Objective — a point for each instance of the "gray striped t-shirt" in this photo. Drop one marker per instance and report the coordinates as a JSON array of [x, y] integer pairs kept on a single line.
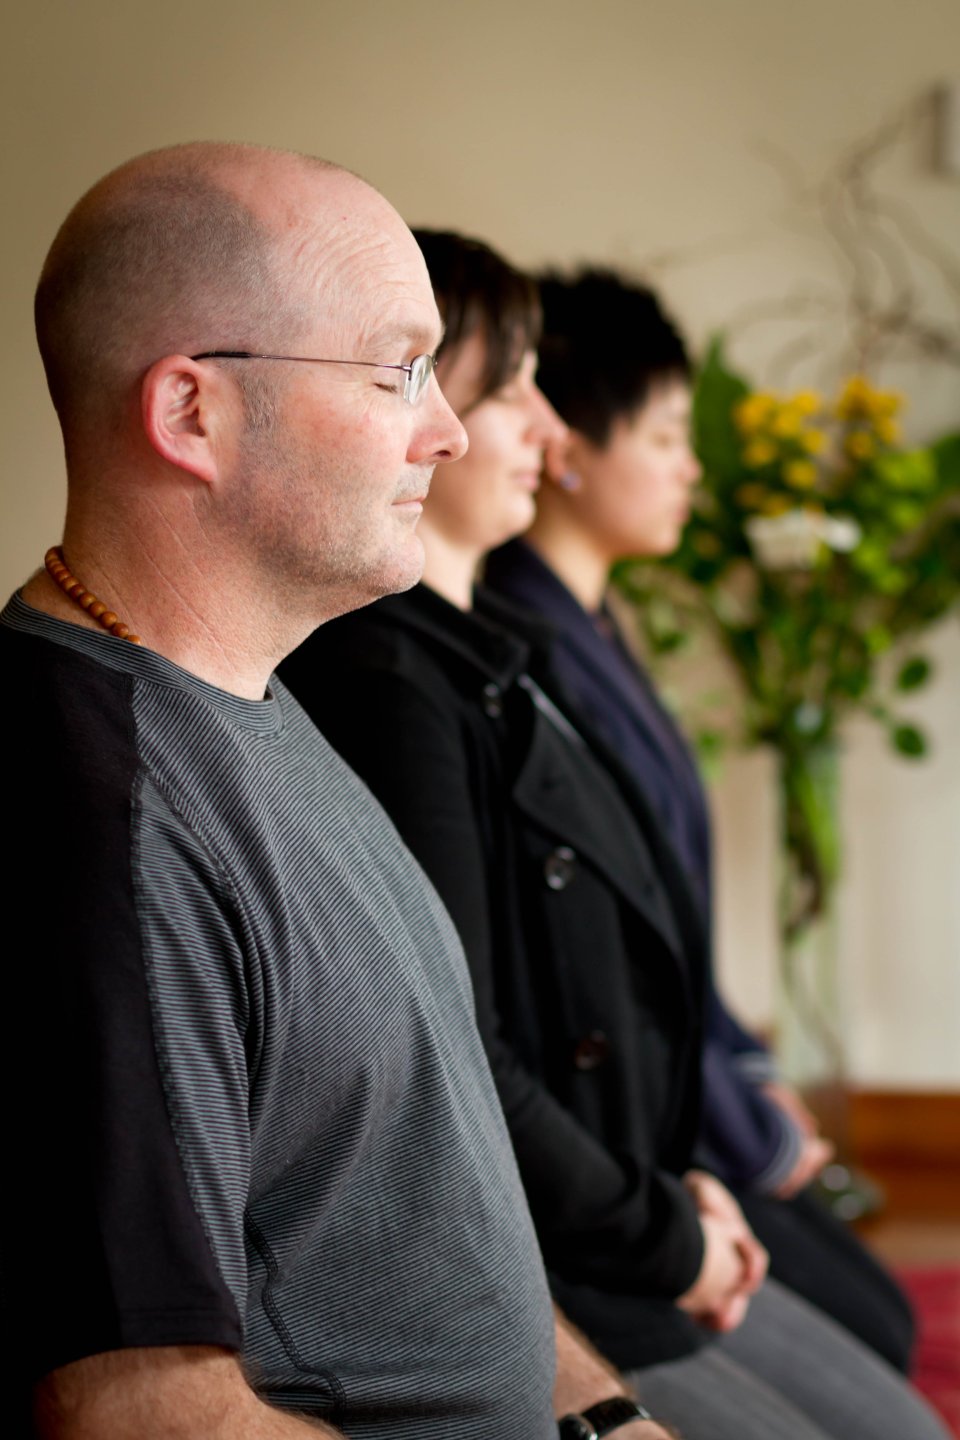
[[256, 1111]]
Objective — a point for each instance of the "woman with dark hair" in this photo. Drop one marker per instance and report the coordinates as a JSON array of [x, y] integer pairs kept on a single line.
[[617, 370], [588, 959]]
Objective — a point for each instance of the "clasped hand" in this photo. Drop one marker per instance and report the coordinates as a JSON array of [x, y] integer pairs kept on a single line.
[[734, 1262]]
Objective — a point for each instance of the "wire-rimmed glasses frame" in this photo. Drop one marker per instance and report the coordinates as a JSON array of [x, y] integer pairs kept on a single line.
[[417, 373]]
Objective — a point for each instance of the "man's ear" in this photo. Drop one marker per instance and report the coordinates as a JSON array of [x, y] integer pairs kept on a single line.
[[187, 410]]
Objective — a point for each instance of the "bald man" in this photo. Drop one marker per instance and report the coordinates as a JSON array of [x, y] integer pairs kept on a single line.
[[263, 1187]]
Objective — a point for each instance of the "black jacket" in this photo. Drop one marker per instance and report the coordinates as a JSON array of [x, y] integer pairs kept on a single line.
[[745, 1139], [587, 953]]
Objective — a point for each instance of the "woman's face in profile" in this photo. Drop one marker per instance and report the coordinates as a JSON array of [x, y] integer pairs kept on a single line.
[[488, 496], [635, 493]]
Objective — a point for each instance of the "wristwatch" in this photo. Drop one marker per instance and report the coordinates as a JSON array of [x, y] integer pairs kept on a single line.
[[601, 1419]]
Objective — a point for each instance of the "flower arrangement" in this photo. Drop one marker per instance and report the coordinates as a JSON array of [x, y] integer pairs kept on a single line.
[[819, 548]]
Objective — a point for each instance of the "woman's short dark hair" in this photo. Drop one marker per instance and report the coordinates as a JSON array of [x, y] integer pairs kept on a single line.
[[477, 290], [606, 343]]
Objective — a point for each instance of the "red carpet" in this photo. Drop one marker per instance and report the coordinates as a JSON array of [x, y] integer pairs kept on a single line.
[[935, 1292]]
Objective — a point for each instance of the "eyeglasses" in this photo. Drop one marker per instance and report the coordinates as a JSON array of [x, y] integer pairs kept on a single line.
[[417, 373]]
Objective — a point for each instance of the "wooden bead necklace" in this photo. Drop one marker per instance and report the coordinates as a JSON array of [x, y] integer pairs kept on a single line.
[[85, 598]]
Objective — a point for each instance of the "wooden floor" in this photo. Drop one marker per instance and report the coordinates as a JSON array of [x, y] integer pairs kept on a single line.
[[920, 1222], [911, 1149], [910, 1145], [914, 1242]]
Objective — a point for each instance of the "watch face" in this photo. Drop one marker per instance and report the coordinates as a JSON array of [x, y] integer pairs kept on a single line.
[[610, 1414], [575, 1427]]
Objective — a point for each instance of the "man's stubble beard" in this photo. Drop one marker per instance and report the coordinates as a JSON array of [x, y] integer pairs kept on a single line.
[[294, 495]]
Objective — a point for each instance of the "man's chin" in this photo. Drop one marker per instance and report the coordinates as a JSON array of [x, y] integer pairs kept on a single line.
[[411, 572], [403, 571]]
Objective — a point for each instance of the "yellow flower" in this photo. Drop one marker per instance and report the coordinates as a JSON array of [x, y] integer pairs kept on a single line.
[[813, 441], [856, 398], [753, 411], [887, 403], [801, 474], [776, 505], [807, 402], [859, 400], [886, 430], [759, 453], [859, 445], [787, 423]]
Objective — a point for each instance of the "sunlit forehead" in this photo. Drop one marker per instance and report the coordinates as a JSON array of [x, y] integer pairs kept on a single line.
[[363, 278], [405, 337], [385, 282]]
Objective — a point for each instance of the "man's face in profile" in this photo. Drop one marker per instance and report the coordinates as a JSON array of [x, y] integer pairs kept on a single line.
[[334, 477]]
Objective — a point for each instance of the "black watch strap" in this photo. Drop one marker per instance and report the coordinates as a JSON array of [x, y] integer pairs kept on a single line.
[[601, 1419], [574, 1427]]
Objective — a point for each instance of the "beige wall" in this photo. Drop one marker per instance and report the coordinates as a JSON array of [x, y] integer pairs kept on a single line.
[[615, 130]]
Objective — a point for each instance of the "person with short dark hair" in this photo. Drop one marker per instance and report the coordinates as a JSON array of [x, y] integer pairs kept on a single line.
[[616, 367], [598, 384]]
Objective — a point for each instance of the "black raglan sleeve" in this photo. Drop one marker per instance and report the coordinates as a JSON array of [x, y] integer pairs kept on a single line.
[[105, 1245]]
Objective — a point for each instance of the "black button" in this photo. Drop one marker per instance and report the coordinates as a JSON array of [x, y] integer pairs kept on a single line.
[[492, 701], [560, 867], [591, 1051]]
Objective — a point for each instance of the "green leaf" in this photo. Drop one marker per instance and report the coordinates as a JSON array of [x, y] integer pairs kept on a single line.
[[809, 780], [907, 515], [907, 470], [870, 556], [669, 642], [909, 741], [854, 681], [878, 639], [914, 672], [946, 455], [710, 746], [717, 391]]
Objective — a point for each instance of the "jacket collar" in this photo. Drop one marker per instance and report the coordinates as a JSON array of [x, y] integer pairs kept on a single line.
[[490, 655], [517, 571], [496, 640]]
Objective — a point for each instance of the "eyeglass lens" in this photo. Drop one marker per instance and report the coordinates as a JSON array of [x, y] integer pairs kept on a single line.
[[418, 378]]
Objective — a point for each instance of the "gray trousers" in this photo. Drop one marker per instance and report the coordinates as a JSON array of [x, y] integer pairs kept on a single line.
[[788, 1373]]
